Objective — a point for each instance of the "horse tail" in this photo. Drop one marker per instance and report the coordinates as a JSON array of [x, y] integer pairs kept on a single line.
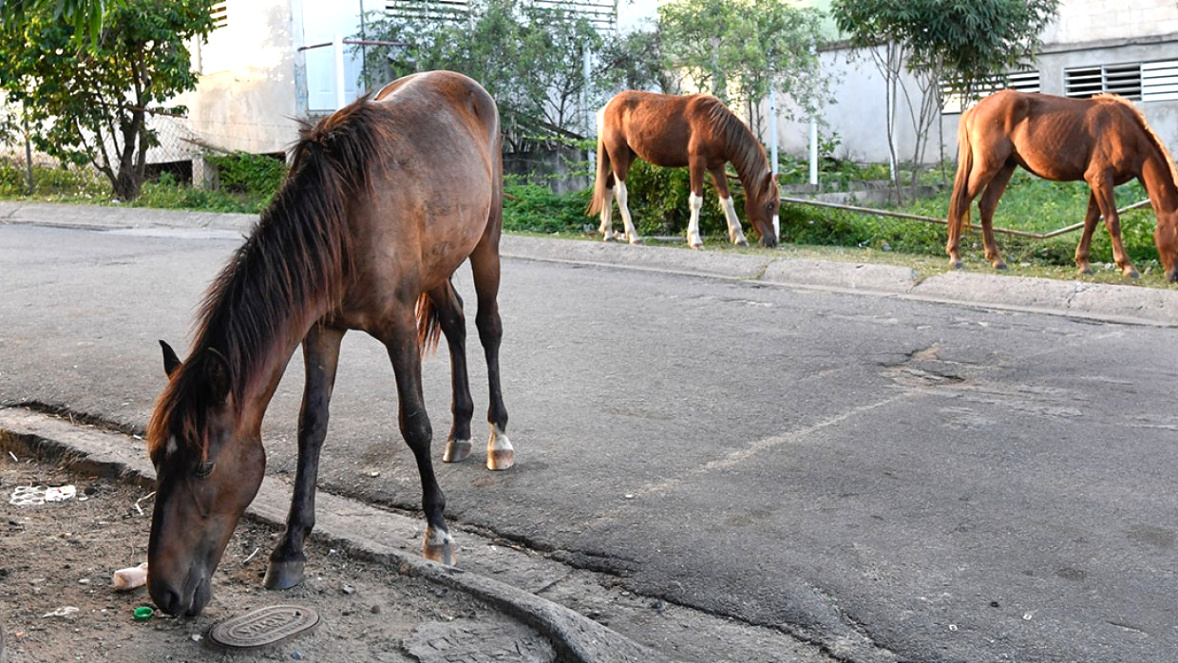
[[602, 181], [959, 202], [429, 325]]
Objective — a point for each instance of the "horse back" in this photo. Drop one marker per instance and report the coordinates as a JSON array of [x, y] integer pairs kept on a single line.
[[1057, 138], [437, 193], [660, 128]]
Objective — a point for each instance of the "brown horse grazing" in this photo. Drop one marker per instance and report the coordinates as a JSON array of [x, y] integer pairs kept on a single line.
[[385, 199], [1103, 141], [673, 131]]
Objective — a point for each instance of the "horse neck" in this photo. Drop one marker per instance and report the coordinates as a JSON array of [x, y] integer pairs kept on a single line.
[[745, 153], [262, 304], [1158, 177]]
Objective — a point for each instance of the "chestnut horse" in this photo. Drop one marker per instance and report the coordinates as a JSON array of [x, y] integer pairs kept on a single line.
[[673, 131], [1103, 141], [385, 199]]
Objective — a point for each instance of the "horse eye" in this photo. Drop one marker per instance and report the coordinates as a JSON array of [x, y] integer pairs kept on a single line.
[[203, 470]]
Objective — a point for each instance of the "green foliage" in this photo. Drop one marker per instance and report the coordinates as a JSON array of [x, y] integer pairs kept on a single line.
[[168, 194], [970, 42], [735, 48], [88, 100], [534, 208], [51, 183], [242, 172], [528, 56]]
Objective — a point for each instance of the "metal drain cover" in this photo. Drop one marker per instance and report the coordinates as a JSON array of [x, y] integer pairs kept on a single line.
[[263, 627]]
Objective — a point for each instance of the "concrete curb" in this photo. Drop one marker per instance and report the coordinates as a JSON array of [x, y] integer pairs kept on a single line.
[[340, 522], [1111, 303]]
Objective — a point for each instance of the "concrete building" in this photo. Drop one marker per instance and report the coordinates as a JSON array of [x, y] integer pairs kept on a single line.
[[1129, 47], [271, 62]]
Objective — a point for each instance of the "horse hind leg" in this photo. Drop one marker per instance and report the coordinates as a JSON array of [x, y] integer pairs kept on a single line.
[[448, 308], [484, 263], [623, 197], [987, 204], [1082, 248], [607, 224], [320, 358]]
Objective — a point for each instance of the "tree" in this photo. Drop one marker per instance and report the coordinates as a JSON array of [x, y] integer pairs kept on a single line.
[[739, 49], [85, 15], [634, 61], [528, 56], [89, 102], [966, 44]]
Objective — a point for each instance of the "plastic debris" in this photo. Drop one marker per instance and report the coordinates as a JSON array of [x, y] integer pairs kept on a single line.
[[64, 611], [37, 495], [144, 613], [129, 578]]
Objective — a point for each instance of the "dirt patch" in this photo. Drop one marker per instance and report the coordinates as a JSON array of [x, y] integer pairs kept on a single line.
[[61, 555]]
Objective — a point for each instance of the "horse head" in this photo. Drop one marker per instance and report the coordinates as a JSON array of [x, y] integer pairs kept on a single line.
[[761, 205], [1165, 236], [207, 472]]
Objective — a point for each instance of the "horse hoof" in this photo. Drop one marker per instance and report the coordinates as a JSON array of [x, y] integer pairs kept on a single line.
[[1132, 273], [956, 264], [697, 246], [636, 240], [1000, 266], [1086, 270], [500, 453], [456, 451], [284, 575], [741, 242], [438, 546]]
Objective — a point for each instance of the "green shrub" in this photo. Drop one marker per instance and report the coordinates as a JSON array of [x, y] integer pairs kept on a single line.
[[242, 172]]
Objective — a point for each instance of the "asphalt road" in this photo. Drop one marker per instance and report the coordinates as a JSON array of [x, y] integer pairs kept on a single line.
[[892, 478]]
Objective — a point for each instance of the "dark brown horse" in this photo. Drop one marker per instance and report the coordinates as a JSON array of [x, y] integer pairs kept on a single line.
[[1103, 141], [385, 199], [696, 131]]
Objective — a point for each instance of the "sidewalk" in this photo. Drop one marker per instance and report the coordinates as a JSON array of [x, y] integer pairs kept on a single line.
[[1111, 303]]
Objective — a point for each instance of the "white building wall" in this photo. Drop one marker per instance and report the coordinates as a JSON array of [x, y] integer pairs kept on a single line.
[[246, 96], [1087, 33]]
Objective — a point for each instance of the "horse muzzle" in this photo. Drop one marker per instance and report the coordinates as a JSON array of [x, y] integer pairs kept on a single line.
[[188, 599]]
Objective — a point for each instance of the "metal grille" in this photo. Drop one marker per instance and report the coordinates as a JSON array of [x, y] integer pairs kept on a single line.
[[602, 14], [1122, 79], [1159, 81], [220, 13], [1026, 80]]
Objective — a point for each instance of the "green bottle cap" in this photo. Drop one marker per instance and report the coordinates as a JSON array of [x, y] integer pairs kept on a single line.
[[144, 613]]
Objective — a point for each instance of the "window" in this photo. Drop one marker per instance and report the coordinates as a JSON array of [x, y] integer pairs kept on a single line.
[[220, 13], [1122, 79], [437, 10], [216, 53], [1023, 81], [1159, 81]]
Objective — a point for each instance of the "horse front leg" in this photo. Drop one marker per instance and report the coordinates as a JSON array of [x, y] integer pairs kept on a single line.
[[1102, 190], [400, 340], [735, 231], [321, 358], [1082, 249]]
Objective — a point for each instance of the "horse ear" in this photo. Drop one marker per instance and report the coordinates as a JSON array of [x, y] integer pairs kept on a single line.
[[171, 361], [217, 374]]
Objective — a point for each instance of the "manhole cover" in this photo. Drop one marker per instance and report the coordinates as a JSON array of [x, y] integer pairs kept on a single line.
[[263, 627]]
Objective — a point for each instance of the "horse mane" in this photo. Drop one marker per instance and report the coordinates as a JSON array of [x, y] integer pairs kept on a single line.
[[297, 259], [1149, 132], [746, 153]]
